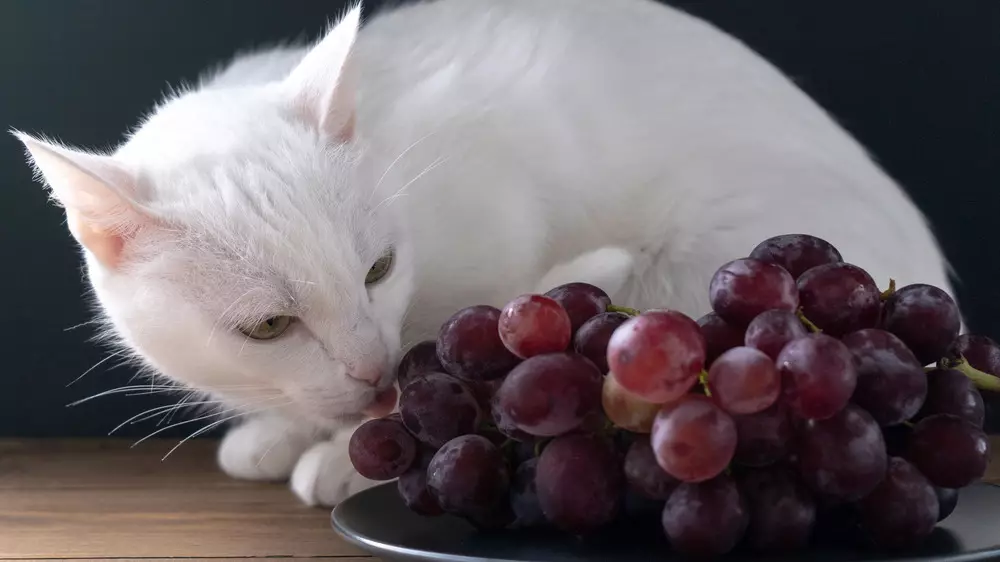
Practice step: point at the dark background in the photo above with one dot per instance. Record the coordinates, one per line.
(917, 81)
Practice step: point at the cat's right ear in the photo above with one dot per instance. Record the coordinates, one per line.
(95, 191)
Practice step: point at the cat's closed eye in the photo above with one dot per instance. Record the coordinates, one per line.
(269, 328)
(380, 268)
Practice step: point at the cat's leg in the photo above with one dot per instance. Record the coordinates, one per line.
(324, 475)
(265, 448)
(608, 268)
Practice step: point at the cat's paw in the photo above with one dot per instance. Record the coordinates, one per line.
(264, 448)
(608, 268)
(324, 475)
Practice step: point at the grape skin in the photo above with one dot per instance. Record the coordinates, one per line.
(744, 380)
(420, 359)
(763, 438)
(412, 487)
(782, 512)
(579, 482)
(951, 392)
(839, 298)
(693, 439)
(582, 301)
(797, 253)
(947, 501)
(437, 407)
(532, 325)
(705, 519)
(591, 340)
(980, 351)
(744, 288)
(949, 451)
(549, 395)
(902, 510)
(650, 353)
(524, 497)
(892, 386)
(644, 475)
(842, 458)
(771, 331)
(817, 376)
(925, 318)
(626, 410)
(469, 345)
(719, 336)
(381, 449)
(468, 477)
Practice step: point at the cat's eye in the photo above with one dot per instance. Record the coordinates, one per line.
(269, 328)
(380, 268)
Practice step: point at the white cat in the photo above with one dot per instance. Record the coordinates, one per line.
(454, 152)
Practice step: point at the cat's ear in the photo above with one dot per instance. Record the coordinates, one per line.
(95, 191)
(323, 86)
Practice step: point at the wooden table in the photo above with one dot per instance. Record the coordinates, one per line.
(100, 499)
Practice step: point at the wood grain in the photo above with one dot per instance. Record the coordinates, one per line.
(99, 499)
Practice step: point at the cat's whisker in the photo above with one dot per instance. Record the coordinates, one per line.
(125, 389)
(398, 158)
(82, 324)
(157, 411)
(218, 320)
(217, 423)
(200, 418)
(437, 162)
(94, 366)
(180, 405)
(281, 438)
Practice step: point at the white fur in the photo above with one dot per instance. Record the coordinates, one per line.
(501, 148)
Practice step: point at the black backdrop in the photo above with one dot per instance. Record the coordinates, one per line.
(918, 81)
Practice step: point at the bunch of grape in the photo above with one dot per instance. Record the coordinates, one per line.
(806, 396)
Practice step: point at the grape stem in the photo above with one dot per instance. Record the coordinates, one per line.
(982, 380)
(703, 380)
(884, 295)
(624, 310)
(808, 323)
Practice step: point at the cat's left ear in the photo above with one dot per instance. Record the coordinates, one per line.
(323, 87)
(97, 193)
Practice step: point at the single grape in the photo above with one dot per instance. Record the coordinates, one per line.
(591, 340)
(419, 360)
(951, 392)
(579, 482)
(693, 439)
(782, 512)
(551, 394)
(720, 336)
(412, 486)
(797, 253)
(582, 302)
(706, 519)
(949, 451)
(744, 288)
(652, 352)
(437, 407)
(842, 458)
(771, 331)
(980, 351)
(531, 325)
(891, 385)
(506, 426)
(524, 497)
(839, 298)
(644, 475)
(627, 410)
(763, 438)
(381, 449)
(817, 376)
(902, 510)
(469, 345)
(468, 476)
(744, 380)
(947, 501)
(925, 318)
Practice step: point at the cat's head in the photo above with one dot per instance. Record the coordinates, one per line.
(233, 242)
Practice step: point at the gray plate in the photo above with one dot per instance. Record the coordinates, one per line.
(377, 521)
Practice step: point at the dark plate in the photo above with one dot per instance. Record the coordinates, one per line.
(377, 521)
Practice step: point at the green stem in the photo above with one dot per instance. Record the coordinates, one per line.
(888, 292)
(808, 323)
(623, 310)
(703, 380)
(982, 380)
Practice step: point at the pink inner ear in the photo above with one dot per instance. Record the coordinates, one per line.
(105, 245)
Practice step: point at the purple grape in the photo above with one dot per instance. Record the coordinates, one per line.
(437, 407)
(744, 288)
(469, 345)
(817, 376)
(949, 451)
(381, 449)
(468, 477)
(891, 385)
(506, 426)
(951, 392)
(533, 325)
(763, 438)
(719, 335)
(839, 298)
(693, 439)
(582, 302)
(980, 351)
(947, 501)
(591, 340)
(419, 360)
(797, 253)
(550, 395)
(580, 483)
(842, 458)
(706, 519)
(782, 512)
(771, 331)
(902, 510)
(524, 497)
(412, 486)
(643, 475)
(925, 318)
(744, 380)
